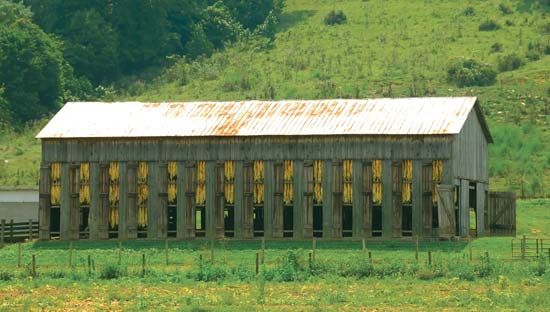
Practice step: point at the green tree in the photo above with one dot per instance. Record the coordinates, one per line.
(30, 70)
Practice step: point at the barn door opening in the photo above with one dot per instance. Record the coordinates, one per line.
(317, 198)
(472, 201)
(55, 200)
(172, 212)
(229, 195)
(377, 198)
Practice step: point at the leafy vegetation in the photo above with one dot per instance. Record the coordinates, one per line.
(335, 17)
(468, 73)
(340, 274)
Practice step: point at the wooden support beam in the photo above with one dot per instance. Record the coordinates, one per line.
(298, 210)
(464, 208)
(94, 201)
(358, 199)
(269, 188)
(131, 212)
(219, 203)
(367, 199)
(103, 207)
(65, 202)
(153, 202)
(123, 201)
(337, 198)
(278, 204)
(387, 199)
(327, 198)
(190, 188)
(397, 182)
(307, 201)
(162, 209)
(248, 207)
(44, 201)
(417, 220)
(480, 207)
(74, 185)
(239, 198)
(210, 205)
(181, 204)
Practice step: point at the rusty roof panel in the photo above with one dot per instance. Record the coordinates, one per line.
(405, 116)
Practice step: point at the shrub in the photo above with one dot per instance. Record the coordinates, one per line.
(469, 11)
(485, 268)
(464, 272)
(208, 273)
(57, 274)
(532, 55)
(504, 9)
(469, 72)
(360, 268)
(6, 276)
(509, 62)
(112, 271)
(540, 267)
(335, 18)
(488, 25)
(496, 47)
(509, 23)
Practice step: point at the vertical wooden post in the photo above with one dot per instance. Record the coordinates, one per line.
(537, 244)
(74, 201)
(30, 229)
(33, 265)
(210, 205)
(298, 204)
(416, 253)
(119, 252)
(429, 258)
(309, 260)
(103, 205)
(523, 247)
(363, 245)
(263, 250)
(18, 255)
(470, 248)
(278, 204)
(487, 255)
(337, 198)
(257, 263)
(370, 257)
(44, 202)
(239, 199)
(65, 203)
(70, 254)
(162, 201)
(123, 201)
(358, 199)
(269, 189)
(2, 232)
(181, 203)
(464, 208)
(417, 199)
(131, 212)
(387, 199)
(166, 250)
(11, 230)
(89, 265)
(307, 200)
(219, 200)
(314, 248)
(247, 202)
(153, 201)
(327, 198)
(143, 265)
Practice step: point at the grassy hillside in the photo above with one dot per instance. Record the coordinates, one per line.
(386, 49)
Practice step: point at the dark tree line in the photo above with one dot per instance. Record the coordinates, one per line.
(56, 50)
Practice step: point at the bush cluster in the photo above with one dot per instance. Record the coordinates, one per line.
(335, 18)
(469, 72)
(509, 62)
(489, 25)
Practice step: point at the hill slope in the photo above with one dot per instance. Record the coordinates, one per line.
(386, 49)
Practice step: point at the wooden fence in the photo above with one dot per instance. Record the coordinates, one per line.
(11, 232)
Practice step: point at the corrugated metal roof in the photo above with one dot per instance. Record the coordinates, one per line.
(405, 116)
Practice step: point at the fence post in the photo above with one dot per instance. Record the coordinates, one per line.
(429, 258)
(70, 254)
(363, 245)
(33, 265)
(487, 255)
(11, 230)
(143, 265)
(314, 249)
(523, 248)
(257, 263)
(19, 254)
(2, 232)
(416, 252)
(166, 250)
(263, 250)
(370, 257)
(89, 265)
(537, 244)
(470, 253)
(30, 229)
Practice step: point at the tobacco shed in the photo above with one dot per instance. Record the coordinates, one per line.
(332, 169)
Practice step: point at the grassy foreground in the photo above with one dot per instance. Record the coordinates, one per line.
(340, 277)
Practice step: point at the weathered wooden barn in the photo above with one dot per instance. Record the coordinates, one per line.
(299, 169)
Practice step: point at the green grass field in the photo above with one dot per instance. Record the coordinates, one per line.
(340, 277)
